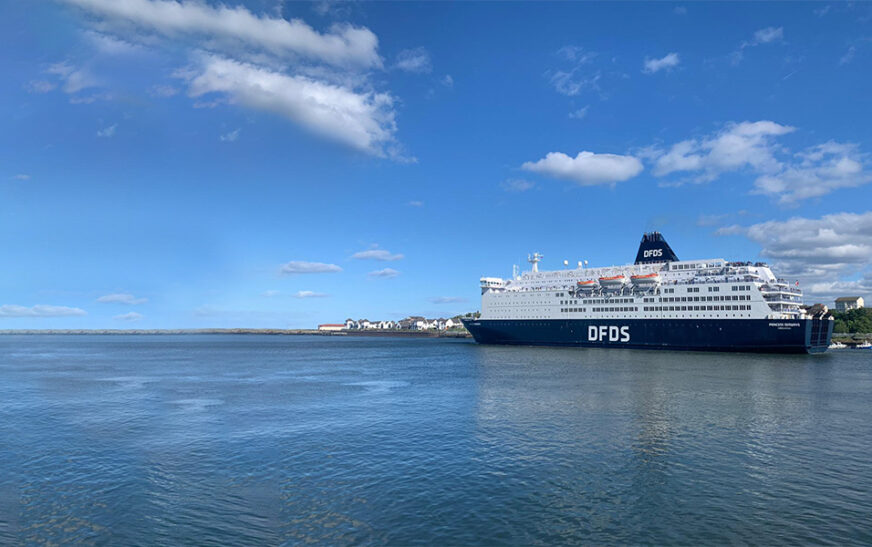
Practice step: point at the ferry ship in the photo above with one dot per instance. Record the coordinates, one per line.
(658, 302)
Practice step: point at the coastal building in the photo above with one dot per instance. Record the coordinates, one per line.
(331, 326)
(845, 303)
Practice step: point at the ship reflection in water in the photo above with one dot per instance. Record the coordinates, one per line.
(633, 446)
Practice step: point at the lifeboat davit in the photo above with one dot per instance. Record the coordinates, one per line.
(646, 281)
(614, 282)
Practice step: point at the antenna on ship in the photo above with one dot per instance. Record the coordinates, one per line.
(516, 271)
(534, 259)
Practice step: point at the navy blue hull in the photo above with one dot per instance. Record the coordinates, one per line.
(751, 335)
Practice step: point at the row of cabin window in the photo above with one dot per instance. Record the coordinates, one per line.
(572, 310)
(704, 298)
(735, 307)
(740, 288)
(626, 308)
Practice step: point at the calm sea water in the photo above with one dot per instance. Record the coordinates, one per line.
(265, 440)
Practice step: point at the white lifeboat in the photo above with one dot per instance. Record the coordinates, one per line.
(588, 285)
(613, 282)
(646, 281)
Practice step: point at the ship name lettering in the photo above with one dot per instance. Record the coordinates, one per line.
(604, 333)
(653, 252)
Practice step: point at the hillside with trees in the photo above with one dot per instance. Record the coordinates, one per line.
(853, 321)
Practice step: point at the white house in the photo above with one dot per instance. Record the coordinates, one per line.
(845, 303)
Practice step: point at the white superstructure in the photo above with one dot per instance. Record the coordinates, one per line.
(687, 289)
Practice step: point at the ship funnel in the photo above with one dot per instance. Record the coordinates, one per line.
(654, 248)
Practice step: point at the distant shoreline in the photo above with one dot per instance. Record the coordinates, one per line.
(287, 332)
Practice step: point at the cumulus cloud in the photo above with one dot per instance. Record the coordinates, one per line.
(815, 172)
(828, 254)
(448, 300)
(310, 294)
(414, 60)
(129, 316)
(377, 254)
(302, 267)
(316, 79)
(121, 298)
(362, 120)
(11, 310)
(753, 146)
(737, 145)
(385, 273)
(587, 168)
(342, 45)
(447, 81)
(668, 62)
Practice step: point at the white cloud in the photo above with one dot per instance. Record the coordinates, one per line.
(74, 79)
(579, 114)
(572, 82)
(129, 316)
(121, 298)
(270, 293)
(377, 254)
(385, 273)
(363, 120)
(22, 177)
(343, 45)
(40, 86)
(768, 35)
(668, 62)
(679, 10)
(302, 267)
(848, 56)
(231, 136)
(111, 45)
(310, 294)
(587, 168)
(517, 185)
(414, 60)
(11, 310)
(107, 132)
(448, 300)
(163, 91)
(828, 254)
(447, 81)
(738, 145)
(817, 171)
(577, 54)
(415, 203)
(753, 146)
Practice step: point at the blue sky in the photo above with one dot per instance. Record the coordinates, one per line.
(283, 164)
